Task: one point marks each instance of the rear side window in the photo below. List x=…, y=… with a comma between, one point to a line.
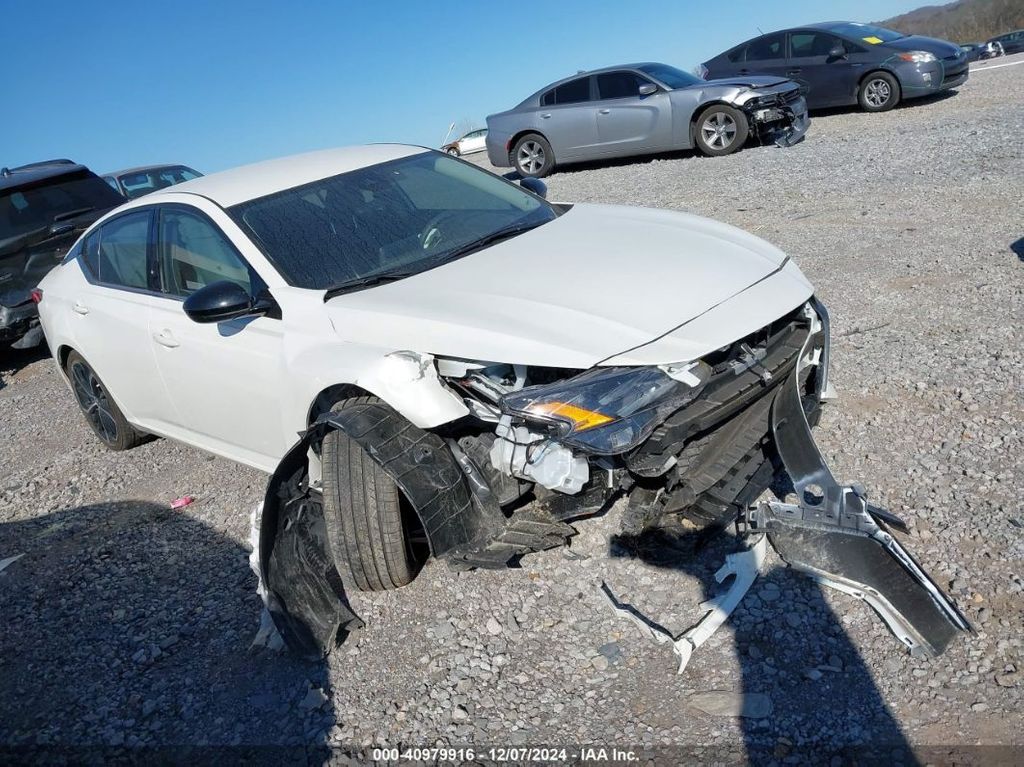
x=572, y=92
x=118, y=257
x=767, y=48
x=619, y=85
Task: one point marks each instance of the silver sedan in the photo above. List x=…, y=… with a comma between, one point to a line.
x=638, y=109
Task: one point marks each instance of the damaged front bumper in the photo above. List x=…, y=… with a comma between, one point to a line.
x=782, y=122
x=834, y=535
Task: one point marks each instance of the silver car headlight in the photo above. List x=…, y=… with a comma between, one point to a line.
x=607, y=410
x=918, y=57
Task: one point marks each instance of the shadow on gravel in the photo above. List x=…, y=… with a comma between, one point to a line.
x=13, y=360
x=923, y=101
x=1018, y=248
x=126, y=627
x=792, y=648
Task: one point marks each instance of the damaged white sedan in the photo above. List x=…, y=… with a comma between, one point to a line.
x=433, y=361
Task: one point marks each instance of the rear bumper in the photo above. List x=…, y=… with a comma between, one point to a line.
x=19, y=322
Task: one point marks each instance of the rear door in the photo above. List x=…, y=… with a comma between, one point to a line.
x=473, y=142
x=225, y=379
x=830, y=80
x=568, y=118
x=111, y=313
x=628, y=122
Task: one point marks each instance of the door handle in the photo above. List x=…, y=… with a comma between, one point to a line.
x=545, y=115
x=792, y=72
x=603, y=111
x=166, y=338
x=79, y=308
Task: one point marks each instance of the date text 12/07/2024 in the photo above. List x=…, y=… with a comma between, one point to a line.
x=511, y=754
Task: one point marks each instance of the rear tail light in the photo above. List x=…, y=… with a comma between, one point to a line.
x=37, y=295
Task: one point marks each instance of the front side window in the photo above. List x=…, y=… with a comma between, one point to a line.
x=767, y=48
x=619, y=85
x=193, y=253
x=117, y=253
x=393, y=219
x=807, y=44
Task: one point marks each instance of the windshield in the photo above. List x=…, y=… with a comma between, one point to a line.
x=670, y=76
x=35, y=206
x=399, y=218
x=866, y=32
x=143, y=182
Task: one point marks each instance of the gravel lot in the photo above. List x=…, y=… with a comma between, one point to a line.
x=127, y=624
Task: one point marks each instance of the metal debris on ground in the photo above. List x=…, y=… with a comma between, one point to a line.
x=745, y=565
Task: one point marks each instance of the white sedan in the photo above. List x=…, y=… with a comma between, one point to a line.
x=415, y=347
x=472, y=142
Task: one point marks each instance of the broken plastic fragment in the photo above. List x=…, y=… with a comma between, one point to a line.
x=267, y=634
x=4, y=563
x=745, y=565
x=181, y=503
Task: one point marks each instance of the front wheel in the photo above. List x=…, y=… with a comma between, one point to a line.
x=453, y=151
x=532, y=156
x=382, y=548
x=720, y=130
x=98, y=407
x=879, y=91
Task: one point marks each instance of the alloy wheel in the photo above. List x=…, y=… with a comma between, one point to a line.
x=94, y=401
x=718, y=130
x=530, y=157
x=877, y=92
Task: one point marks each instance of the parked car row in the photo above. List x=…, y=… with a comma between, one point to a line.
x=44, y=207
x=762, y=88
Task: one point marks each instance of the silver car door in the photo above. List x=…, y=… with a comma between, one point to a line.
x=628, y=121
x=567, y=117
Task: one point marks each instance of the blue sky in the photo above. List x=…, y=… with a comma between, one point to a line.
x=220, y=83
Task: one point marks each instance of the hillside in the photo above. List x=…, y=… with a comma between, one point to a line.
x=965, y=21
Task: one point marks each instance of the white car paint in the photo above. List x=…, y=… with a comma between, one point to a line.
x=598, y=285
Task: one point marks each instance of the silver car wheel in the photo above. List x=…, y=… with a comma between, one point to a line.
x=530, y=157
x=877, y=92
x=718, y=130
x=93, y=399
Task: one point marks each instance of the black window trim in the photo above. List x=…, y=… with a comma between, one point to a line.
x=591, y=89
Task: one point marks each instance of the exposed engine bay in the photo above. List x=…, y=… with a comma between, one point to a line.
x=695, y=444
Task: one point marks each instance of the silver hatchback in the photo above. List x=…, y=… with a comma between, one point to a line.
x=639, y=109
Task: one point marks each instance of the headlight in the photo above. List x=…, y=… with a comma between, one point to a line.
x=607, y=410
x=918, y=57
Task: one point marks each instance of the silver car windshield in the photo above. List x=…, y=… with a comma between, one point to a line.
x=387, y=221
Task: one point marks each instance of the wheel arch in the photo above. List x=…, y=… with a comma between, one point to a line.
x=703, y=107
x=874, y=71
x=518, y=135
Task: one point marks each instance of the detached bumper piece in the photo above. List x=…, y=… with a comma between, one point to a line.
x=834, y=535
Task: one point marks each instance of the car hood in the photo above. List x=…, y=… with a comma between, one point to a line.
x=746, y=81
x=599, y=284
x=940, y=48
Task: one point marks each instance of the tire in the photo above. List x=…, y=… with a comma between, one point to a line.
x=720, y=130
x=98, y=406
x=453, y=151
x=366, y=506
x=878, y=92
x=532, y=156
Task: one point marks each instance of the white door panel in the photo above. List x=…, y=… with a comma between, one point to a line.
x=225, y=380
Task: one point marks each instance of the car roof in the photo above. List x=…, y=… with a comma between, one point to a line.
x=249, y=182
x=145, y=168
x=588, y=73
x=37, y=171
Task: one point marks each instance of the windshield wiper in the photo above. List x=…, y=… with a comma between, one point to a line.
x=492, y=238
x=366, y=282
x=72, y=213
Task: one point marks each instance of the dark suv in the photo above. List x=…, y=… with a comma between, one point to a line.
x=44, y=207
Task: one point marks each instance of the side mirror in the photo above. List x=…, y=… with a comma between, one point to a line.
x=535, y=185
x=837, y=52
x=647, y=89
x=219, y=301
